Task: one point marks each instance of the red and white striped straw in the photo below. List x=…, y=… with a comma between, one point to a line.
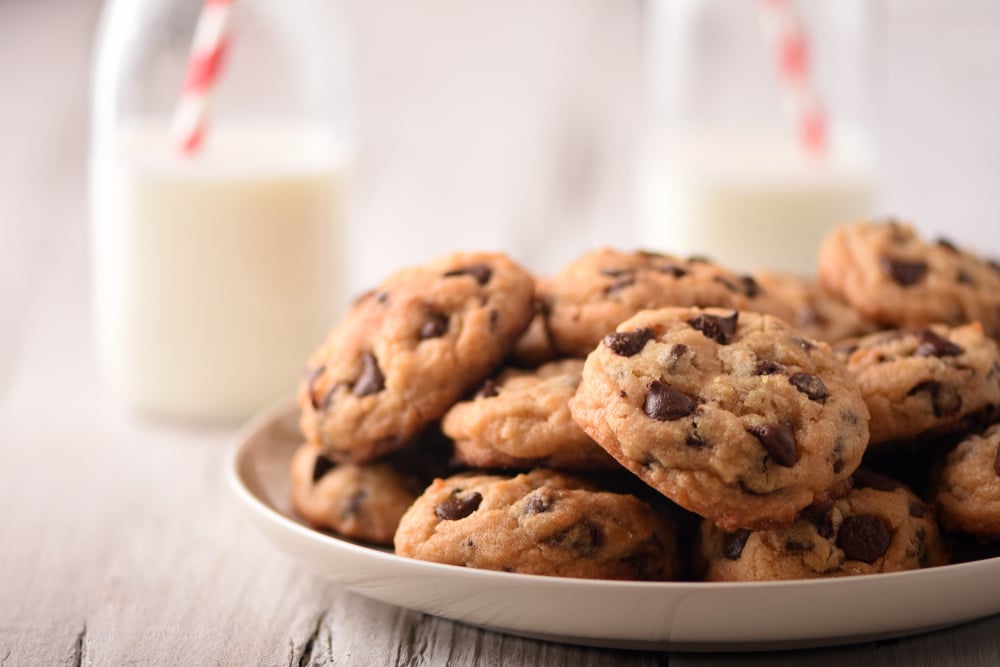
x=211, y=40
x=789, y=41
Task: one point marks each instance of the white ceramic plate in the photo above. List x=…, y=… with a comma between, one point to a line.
x=661, y=616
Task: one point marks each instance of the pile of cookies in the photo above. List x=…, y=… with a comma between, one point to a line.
x=642, y=416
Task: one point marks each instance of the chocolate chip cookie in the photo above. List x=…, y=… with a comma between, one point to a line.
x=880, y=526
x=817, y=312
x=408, y=350
x=362, y=502
x=521, y=420
x=589, y=297
x=733, y=415
x=928, y=380
x=541, y=522
x=894, y=277
x=967, y=489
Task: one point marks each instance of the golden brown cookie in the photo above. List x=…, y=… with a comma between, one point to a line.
x=589, y=297
x=541, y=522
x=893, y=277
x=931, y=380
x=817, y=312
x=521, y=420
x=967, y=489
x=880, y=526
x=732, y=415
x=362, y=502
x=408, y=350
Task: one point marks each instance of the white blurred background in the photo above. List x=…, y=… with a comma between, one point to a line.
x=512, y=124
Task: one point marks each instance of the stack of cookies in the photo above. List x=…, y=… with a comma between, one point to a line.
x=642, y=416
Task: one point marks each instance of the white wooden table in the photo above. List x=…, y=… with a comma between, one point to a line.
x=119, y=541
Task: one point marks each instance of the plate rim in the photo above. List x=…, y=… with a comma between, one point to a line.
x=242, y=446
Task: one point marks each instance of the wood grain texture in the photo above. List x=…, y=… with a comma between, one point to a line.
x=119, y=542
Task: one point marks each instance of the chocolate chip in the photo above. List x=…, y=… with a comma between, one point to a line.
x=733, y=543
x=353, y=505
x=865, y=479
x=750, y=287
x=766, y=367
x=458, y=507
x=582, y=538
x=694, y=440
x=488, y=390
x=314, y=375
x=863, y=537
x=810, y=385
x=628, y=343
x=945, y=399
x=779, y=441
x=794, y=546
x=947, y=245
x=963, y=277
x=671, y=269
x=619, y=285
x=719, y=329
x=666, y=404
x=481, y=272
x=677, y=352
x=933, y=345
x=321, y=466
x=917, y=509
x=904, y=272
x=538, y=502
x=371, y=380
x=435, y=326
x=819, y=517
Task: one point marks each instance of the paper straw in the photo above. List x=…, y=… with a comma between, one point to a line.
x=788, y=39
x=211, y=39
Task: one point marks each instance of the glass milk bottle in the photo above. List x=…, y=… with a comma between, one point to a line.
x=221, y=144
x=758, y=127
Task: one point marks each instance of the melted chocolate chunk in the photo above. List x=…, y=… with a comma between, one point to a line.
x=750, y=287
x=481, y=272
x=947, y=245
x=863, y=537
x=539, y=502
x=582, y=538
x=353, y=505
x=733, y=543
x=314, y=375
x=933, y=345
x=945, y=399
x=810, y=385
x=458, y=507
x=666, y=404
x=628, y=343
x=904, y=272
x=779, y=441
x=794, y=546
x=677, y=352
x=321, y=466
x=719, y=329
x=819, y=517
x=671, y=270
x=767, y=367
x=488, y=390
x=371, y=380
x=435, y=326
x=620, y=284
